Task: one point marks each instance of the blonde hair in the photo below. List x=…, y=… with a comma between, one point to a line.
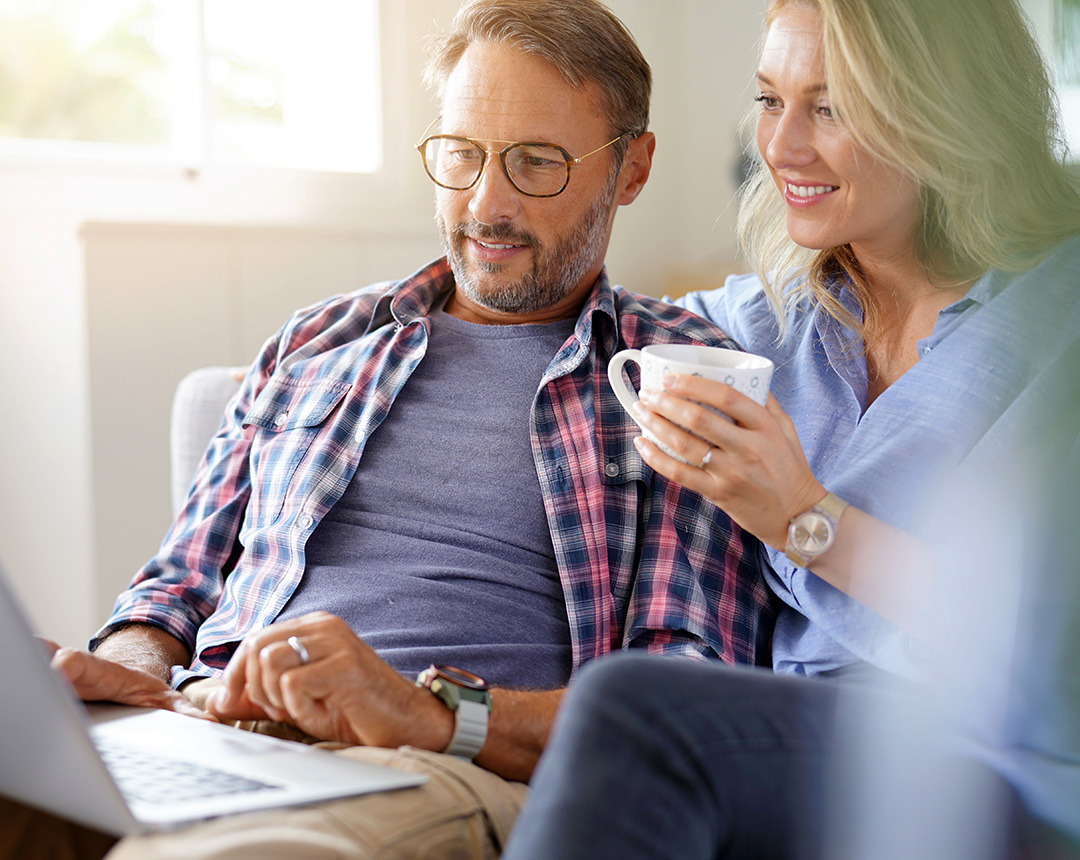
x=955, y=94
x=582, y=38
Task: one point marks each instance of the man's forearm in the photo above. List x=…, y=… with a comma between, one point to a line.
x=142, y=646
x=518, y=730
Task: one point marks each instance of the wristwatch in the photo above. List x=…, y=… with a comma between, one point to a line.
x=467, y=696
x=812, y=532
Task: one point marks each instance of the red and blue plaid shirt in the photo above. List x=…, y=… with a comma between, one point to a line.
x=643, y=561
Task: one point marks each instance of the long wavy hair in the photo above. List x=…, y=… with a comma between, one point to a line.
x=955, y=94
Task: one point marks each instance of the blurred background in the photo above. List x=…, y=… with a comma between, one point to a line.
x=177, y=176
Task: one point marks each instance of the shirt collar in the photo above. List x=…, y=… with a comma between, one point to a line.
x=982, y=291
x=417, y=295
x=598, y=314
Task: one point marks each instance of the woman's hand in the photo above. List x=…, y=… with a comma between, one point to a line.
x=752, y=467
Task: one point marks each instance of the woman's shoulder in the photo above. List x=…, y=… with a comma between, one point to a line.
x=742, y=308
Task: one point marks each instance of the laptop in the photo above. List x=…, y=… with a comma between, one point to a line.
x=128, y=770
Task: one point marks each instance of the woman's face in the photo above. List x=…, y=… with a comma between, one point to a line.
x=836, y=192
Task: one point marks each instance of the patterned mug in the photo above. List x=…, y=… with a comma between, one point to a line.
x=746, y=373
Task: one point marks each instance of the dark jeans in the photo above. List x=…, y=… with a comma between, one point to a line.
x=657, y=757
x=664, y=758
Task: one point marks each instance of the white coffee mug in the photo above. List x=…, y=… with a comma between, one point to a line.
x=747, y=373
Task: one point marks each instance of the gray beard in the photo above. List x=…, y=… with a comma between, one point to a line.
x=555, y=274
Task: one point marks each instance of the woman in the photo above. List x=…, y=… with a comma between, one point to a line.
x=914, y=235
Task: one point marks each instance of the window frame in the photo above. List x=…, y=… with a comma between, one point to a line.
x=102, y=182
x=196, y=159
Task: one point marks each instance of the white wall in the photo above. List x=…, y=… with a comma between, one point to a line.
x=68, y=533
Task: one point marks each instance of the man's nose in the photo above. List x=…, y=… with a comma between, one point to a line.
x=494, y=198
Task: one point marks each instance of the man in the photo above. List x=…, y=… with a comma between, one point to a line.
x=435, y=471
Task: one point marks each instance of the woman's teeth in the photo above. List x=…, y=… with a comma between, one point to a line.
x=810, y=190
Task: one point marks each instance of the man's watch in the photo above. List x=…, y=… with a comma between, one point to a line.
x=812, y=532
x=467, y=696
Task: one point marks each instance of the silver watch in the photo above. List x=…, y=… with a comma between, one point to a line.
x=812, y=532
x=468, y=696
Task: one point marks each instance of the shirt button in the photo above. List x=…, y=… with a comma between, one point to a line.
x=281, y=418
x=611, y=469
x=305, y=521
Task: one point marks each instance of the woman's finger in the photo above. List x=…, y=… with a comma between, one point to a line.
x=702, y=422
x=689, y=446
x=741, y=409
x=690, y=476
x=697, y=420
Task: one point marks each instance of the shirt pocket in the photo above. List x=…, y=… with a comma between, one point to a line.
x=286, y=418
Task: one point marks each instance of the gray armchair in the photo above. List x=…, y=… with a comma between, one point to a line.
x=197, y=409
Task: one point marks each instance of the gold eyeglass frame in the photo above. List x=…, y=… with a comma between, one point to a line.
x=479, y=142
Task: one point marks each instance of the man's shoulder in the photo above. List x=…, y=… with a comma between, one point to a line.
x=645, y=319
x=346, y=316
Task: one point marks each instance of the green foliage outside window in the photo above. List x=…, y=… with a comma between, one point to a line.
x=1067, y=41
x=113, y=90
x=111, y=83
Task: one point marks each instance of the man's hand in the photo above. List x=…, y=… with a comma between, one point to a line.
x=345, y=692
x=98, y=680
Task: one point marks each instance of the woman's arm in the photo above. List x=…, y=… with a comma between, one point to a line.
x=757, y=473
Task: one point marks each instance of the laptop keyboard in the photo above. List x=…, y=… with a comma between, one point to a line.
x=151, y=778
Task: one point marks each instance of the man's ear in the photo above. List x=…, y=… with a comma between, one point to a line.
x=636, y=165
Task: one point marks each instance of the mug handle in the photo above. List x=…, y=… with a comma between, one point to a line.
x=615, y=377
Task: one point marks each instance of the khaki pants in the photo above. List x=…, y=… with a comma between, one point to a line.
x=462, y=812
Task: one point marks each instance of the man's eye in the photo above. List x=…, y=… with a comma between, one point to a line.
x=538, y=159
x=462, y=153
x=537, y=162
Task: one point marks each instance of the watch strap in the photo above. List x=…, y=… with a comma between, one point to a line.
x=795, y=557
x=470, y=728
x=832, y=506
x=471, y=707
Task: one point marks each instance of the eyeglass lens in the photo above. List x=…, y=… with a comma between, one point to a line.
x=534, y=169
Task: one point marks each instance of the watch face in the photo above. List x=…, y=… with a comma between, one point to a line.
x=811, y=533
x=460, y=677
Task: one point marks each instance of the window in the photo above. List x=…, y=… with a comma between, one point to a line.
x=196, y=82
x=1067, y=63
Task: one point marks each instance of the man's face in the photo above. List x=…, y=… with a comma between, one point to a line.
x=517, y=258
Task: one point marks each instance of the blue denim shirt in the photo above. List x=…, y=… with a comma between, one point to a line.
x=991, y=369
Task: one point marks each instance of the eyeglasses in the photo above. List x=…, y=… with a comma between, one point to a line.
x=534, y=169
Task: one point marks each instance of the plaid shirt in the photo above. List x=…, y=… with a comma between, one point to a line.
x=644, y=562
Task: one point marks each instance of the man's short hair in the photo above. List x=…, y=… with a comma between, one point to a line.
x=581, y=38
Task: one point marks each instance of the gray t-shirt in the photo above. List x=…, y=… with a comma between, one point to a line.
x=440, y=551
